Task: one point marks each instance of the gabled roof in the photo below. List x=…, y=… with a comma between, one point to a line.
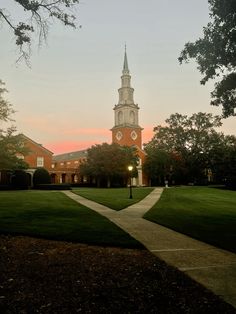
x=70, y=156
x=37, y=144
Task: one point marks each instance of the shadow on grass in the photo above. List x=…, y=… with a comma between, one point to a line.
x=53, y=215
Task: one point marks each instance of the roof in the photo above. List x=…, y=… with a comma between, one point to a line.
x=70, y=156
x=35, y=143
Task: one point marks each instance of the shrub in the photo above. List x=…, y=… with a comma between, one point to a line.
x=53, y=186
x=41, y=176
x=231, y=182
x=20, y=179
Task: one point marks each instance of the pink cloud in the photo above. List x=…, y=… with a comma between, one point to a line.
x=88, y=131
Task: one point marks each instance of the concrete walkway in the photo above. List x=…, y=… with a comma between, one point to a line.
x=212, y=267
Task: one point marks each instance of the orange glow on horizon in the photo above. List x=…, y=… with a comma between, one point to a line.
x=147, y=134
x=70, y=146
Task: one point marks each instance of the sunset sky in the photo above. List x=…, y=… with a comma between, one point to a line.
x=65, y=100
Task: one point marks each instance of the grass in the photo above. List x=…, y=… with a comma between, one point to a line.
x=207, y=214
x=116, y=199
x=53, y=215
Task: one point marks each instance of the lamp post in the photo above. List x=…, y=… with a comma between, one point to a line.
x=130, y=168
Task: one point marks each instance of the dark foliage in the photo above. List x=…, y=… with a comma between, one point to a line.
x=53, y=186
x=41, y=176
x=215, y=54
x=20, y=179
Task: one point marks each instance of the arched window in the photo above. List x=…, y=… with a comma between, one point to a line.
x=120, y=117
x=132, y=117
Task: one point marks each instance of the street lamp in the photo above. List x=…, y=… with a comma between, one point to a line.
x=130, y=168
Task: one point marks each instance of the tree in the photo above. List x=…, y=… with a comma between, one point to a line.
x=189, y=143
x=39, y=15
x=157, y=165
x=11, y=144
x=108, y=163
x=161, y=165
x=215, y=54
x=41, y=176
x=223, y=158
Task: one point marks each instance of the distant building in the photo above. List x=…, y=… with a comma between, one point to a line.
x=37, y=157
x=65, y=167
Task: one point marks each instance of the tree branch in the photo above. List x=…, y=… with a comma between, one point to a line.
x=41, y=14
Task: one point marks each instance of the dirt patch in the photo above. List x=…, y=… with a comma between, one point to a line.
x=42, y=276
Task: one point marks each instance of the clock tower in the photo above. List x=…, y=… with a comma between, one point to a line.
x=126, y=130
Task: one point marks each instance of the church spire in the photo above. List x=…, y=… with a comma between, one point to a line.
x=125, y=66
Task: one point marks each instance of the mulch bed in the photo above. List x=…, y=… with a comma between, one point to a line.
x=44, y=276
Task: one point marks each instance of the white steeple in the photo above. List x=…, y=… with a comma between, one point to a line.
x=126, y=91
x=126, y=111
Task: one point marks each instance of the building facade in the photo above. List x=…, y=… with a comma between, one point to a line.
x=126, y=130
x=65, y=167
x=37, y=156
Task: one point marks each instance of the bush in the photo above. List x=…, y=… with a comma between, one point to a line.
x=6, y=187
x=231, y=182
x=53, y=187
x=41, y=176
x=20, y=180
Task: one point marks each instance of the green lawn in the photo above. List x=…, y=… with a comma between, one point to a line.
x=116, y=199
x=207, y=214
x=53, y=215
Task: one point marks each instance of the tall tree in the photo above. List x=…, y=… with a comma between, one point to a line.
x=189, y=143
x=37, y=17
x=215, y=54
x=108, y=162
x=157, y=165
x=222, y=159
x=11, y=144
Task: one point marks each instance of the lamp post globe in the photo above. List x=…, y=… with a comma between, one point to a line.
x=130, y=168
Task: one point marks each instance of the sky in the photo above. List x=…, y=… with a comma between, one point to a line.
x=65, y=100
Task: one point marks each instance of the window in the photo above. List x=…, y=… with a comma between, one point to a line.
x=40, y=161
x=20, y=156
x=132, y=117
x=120, y=117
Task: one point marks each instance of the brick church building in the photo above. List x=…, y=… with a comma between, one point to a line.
x=126, y=131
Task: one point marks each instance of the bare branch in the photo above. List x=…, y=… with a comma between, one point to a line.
x=42, y=12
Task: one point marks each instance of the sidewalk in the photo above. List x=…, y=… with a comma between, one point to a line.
x=212, y=267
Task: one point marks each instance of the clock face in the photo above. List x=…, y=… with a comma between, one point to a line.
x=133, y=135
x=119, y=135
